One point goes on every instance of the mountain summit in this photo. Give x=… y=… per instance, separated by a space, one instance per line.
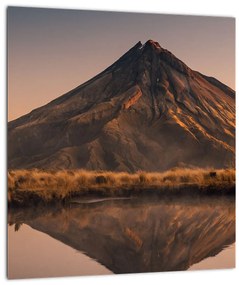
x=147 y=111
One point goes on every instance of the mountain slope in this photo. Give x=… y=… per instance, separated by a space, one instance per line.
x=146 y=111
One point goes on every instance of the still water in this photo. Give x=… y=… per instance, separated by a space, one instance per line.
x=122 y=236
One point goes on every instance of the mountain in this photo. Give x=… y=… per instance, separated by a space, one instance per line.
x=147 y=111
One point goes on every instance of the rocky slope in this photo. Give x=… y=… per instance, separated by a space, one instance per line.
x=147 y=111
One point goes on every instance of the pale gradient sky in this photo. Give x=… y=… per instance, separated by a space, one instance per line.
x=52 y=51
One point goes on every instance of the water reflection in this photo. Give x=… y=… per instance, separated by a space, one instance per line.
x=139 y=235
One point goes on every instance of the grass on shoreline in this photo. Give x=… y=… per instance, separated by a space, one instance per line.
x=30 y=187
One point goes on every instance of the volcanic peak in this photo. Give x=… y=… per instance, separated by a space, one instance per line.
x=153 y=43
x=147 y=111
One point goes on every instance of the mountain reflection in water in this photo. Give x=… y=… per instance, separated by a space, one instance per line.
x=139 y=235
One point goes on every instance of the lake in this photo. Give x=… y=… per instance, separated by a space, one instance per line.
x=112 y=236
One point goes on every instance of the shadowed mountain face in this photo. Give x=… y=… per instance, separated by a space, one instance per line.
x=141 y=235
x=147 y=111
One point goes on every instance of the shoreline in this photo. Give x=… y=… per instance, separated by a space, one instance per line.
x=27 y=188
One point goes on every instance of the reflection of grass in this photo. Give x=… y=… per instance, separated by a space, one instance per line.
x=26 y=187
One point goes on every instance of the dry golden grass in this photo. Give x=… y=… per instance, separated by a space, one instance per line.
x=35 y=185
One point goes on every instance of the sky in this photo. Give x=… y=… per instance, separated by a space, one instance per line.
x=51 y=51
